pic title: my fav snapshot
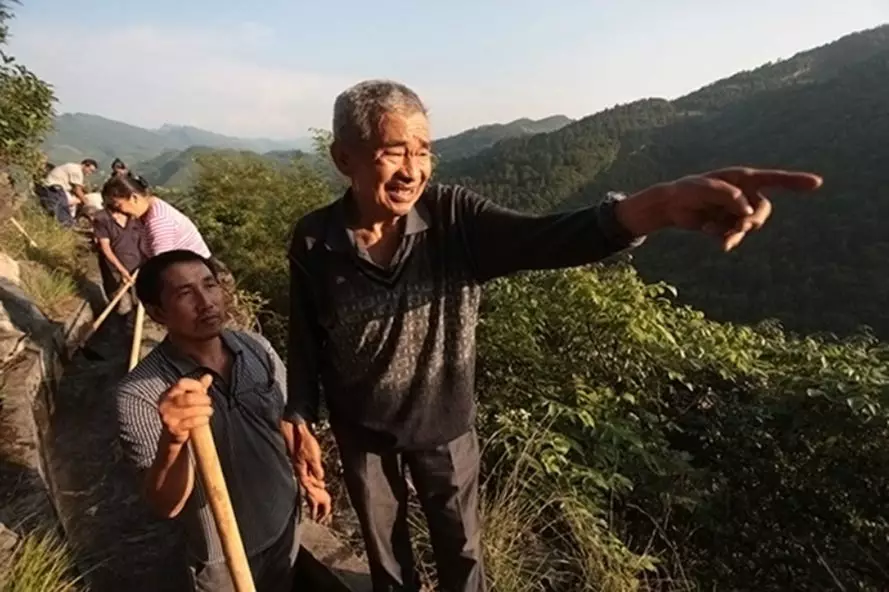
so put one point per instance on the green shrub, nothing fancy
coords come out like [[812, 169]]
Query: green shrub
[[26, 108], [741, 458], [246, 207]]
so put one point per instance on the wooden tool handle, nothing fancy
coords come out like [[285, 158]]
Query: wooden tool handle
[[117, 296], [217, 494], [136, 348]]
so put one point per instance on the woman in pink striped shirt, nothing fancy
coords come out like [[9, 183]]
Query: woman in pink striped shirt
[[166, 228]]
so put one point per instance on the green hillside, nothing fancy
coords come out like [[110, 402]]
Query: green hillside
[[477, 139], [177, 169], [80, 135], [819, 264]]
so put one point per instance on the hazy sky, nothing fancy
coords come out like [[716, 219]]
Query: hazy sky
[[273, 67]]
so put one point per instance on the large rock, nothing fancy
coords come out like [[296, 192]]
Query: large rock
[[12, 339], [9, 269]]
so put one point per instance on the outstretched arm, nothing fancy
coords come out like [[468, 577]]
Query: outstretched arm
[[727, 203]]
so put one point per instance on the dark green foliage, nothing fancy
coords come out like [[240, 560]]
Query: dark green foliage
[[245, 207], [818, 265], [739, 457], [26, 108]]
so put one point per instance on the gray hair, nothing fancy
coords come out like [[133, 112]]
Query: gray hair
[[358, 109]]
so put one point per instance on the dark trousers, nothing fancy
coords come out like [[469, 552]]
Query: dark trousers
[[272, 569], [55, 201], [446, 479]]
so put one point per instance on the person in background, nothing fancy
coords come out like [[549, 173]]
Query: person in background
[[118, 167], [385, 291], [203, 373], [166, 228], [120, 241], [63, 189]]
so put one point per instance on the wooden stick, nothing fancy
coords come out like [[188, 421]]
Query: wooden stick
[[117, 296], [24, 233], [217, 494], [136, 349]]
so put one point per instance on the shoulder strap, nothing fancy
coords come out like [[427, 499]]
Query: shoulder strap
[[259, 352]]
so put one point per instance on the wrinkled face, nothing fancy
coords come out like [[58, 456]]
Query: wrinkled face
[[192, 304], [390, 172]]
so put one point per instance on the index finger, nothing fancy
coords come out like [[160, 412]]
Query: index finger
[[792, 180]]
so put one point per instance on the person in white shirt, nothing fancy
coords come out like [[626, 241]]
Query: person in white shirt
[[62, 189]]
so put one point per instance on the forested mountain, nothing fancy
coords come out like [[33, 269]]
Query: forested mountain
[[80, 135], [178, 168], [475, 140], [820, 263]]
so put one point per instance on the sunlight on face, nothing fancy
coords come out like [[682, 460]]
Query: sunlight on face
[[391, 173], [192, 302]]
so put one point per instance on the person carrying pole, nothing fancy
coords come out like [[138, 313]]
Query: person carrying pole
[[204, 374], [120, 241], [166, 228]]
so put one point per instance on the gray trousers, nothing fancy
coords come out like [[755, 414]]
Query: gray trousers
[[272, 569], [446, 479]]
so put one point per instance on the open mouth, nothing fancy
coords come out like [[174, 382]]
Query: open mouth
[[401, 194]]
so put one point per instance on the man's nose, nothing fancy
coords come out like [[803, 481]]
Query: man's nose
[[410, 167], [205, 300]]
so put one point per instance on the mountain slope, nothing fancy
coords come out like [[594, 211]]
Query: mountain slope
[[819, 264], [80, 135], [176, 169], [477, 139]]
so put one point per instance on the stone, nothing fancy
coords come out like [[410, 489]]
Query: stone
[[12, 340], [10, 269], [326, 563]]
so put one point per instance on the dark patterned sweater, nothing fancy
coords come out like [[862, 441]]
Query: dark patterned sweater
[[393, 349]]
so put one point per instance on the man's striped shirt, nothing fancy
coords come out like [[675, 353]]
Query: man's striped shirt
[[246, 428], [168, 229]]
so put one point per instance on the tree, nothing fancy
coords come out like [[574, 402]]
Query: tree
[[246, 207], [26, 108]]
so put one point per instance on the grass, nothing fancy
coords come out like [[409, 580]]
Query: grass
[[57, 247], [50, 289], [40, 562], [48, 271], [536, 540]]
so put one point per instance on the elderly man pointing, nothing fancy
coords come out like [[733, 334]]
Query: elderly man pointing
[[385, 288]]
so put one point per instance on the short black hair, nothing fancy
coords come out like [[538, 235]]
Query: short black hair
[[123, 186], [149, 282], [118, 164], [89, 162]]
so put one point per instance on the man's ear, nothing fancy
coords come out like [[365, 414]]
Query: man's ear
[[341, 158]]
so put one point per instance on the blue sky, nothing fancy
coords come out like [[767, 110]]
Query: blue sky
[[273, 67]]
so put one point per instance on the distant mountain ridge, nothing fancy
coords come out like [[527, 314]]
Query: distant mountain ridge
[[81, 135], [819, 265], [166, 155], [473, 141]]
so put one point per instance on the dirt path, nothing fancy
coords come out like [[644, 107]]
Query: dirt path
[[115, 536]]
